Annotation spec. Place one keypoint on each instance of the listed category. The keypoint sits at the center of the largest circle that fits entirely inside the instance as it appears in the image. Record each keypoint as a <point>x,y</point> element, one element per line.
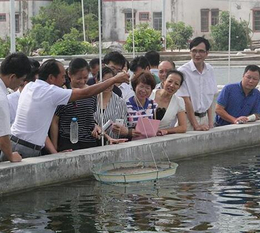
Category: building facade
<point>200,14</point>
<point>24,10</point>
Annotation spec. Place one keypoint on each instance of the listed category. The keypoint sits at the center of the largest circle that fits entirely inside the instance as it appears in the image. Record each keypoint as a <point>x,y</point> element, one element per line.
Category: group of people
<point>49,96</point>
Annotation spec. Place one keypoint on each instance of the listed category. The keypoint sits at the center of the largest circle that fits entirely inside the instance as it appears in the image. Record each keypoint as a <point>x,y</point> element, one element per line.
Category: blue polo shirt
<point>236,103</point>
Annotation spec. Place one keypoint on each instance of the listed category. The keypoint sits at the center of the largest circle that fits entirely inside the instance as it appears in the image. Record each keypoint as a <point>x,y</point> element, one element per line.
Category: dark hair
<point>153,57</point>
<point>93,63</point>
<point>77,64</point>
<point>16,63</point>
<point>141,62</point>
<point>115,57</point>
<point>34,70</point>
<point>49,67</point>
<point>143,77</point>
<point>196,41</point>
<point>105,70</point>
<point>175,72</point>
<point>252,68</point>
<point>127,63</point>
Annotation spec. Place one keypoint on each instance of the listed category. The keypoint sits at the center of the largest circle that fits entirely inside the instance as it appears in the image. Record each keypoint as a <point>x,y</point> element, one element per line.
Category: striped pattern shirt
<point>84,110</point>
<point>115,109</point>
<point>135,111</point>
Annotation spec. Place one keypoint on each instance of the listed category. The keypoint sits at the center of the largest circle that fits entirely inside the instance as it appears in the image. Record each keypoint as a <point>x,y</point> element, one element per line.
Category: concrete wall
<point>34,172</point>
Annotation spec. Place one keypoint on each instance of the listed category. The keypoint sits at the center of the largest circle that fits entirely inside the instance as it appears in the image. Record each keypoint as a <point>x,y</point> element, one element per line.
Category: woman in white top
<point>170,107</point>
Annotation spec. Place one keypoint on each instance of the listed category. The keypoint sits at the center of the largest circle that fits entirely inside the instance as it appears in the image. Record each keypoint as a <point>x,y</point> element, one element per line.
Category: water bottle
<point>74,130</point>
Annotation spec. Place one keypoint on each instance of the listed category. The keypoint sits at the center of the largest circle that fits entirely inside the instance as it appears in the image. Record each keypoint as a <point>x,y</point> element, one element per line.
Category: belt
<point>25,143</point>
<point>200,114</point>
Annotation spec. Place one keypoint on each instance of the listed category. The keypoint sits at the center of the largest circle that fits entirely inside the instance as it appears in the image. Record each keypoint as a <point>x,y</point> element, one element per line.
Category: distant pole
<point>229,40</point>
<point>12,27</point>
<point>83,19</point>
<point>133,28</point>
<point>164,24</point>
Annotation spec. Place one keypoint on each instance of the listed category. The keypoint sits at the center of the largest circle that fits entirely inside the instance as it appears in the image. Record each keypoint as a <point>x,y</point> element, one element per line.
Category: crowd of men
<point>24,124</point>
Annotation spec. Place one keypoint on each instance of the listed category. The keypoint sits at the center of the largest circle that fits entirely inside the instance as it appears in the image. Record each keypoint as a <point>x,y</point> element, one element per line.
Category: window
<point>204,20</point>
<point>2,17</point>
<point>214,16</point>
<point>144,16</point>
<point>256,20</point>
<point>157,20</point>
<point>17,23</point>
<point>128,21</point>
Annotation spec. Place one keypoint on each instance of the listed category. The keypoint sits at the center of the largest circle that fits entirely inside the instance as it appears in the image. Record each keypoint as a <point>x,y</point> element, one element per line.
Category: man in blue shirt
<point>239,100</point>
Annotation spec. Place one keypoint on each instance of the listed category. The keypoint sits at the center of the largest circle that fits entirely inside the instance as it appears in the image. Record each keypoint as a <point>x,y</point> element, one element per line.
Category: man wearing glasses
<point>240,102</point>
<point>199,87</point>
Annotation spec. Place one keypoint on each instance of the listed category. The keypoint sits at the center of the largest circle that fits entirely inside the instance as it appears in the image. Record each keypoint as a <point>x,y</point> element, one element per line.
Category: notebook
<point>148,127</point>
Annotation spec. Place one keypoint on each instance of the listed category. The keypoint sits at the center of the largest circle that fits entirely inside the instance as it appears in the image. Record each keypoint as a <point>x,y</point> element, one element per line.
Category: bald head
<point>163,68</point>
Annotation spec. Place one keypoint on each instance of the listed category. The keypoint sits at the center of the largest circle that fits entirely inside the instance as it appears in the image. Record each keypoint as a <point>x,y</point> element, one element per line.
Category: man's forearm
<point>5,146</point>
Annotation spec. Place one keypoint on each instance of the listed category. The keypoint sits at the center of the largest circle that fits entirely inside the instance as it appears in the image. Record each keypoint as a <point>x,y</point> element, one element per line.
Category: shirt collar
<point>193,67</point>
<point>134,104</point>
<point>2,85</point>
<point>242,91</point>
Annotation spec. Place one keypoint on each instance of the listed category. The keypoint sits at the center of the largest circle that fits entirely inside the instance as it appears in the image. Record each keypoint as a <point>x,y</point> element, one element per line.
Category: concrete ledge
<point>34,172</point>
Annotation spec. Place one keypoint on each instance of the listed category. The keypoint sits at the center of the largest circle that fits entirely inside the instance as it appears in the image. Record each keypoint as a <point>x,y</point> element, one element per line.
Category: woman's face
<point>143,91</point>
<point>106,77</point>
<point>79,79</point>
<point>172,83</point>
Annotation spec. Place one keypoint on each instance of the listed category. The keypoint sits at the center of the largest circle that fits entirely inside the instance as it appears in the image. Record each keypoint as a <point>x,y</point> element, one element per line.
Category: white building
<point>24,10</point>
<point>200,14</point>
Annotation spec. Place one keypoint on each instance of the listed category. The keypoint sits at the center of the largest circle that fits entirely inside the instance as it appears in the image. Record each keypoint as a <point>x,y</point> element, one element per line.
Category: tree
<point>239,34</point>
<point>63,16</point>
<point>91,22</point>
<point>145,39</point>
<point>70,44</point>
<point>178,35</point>
<point>4,47</point>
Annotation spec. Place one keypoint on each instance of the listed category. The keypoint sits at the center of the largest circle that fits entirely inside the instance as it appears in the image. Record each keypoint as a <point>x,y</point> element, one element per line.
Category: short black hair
<point>34,70</point>
<point>153,57</point>
<point>196,41</point>
<point>140,61</point>
<point>48,67</point>
<point>144,77</point>
<point>252,68</point>
<point>105,70</point>
<point>77,64</point>
<point>16,63</point>
<point>93,63</point>
<point>176,72</point>
<point>115,57</point>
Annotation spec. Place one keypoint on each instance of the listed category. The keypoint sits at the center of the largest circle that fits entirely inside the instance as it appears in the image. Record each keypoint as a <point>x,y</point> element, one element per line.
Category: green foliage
<point>63,15</point>
<point>25,44</point>
<point>70,45</point>
<point>178,35</point>
<point>44,34</point>
<point>145,39</point>
<point>4,47</point>
<point>91,27</point>
<point>239,33</point>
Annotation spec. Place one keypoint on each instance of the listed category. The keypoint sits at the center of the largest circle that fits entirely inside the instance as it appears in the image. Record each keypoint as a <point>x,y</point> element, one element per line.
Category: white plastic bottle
<point>74,130</point>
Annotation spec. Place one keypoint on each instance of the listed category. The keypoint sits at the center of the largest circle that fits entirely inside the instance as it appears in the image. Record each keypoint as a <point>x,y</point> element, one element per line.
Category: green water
<point>218,193</point>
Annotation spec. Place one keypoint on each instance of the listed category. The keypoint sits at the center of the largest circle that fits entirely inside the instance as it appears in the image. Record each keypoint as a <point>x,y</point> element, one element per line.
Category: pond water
<point>218,193</point>
<point>221,74</point>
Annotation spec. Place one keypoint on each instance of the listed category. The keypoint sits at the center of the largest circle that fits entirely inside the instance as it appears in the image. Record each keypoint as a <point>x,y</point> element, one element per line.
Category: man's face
<point>250,80</point>
<point>163,68</point>
<point>94,70</point>
<point>115,67</point>
<point>16,82</point>
<point>199,54</point>
<point>60,79</point>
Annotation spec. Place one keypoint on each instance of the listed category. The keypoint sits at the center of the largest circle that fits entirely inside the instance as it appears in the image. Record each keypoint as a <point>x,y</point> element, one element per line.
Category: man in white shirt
<point>13,71</point>
<point>38,102</point>
<point>199,86</point>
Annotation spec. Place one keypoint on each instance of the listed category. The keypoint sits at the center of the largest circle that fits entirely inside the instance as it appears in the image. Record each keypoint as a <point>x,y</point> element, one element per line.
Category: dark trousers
<point>65,144</point>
